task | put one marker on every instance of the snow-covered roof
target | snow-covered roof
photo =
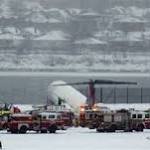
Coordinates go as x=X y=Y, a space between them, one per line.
x=57 y=11
x=54 y=35
x=53 y=20
x=5 y=10
x=34 y=6
x=131 y=36
x=11 y=36
x=90 y=14
x=131 y=11
x=36 y=17
x=74 y=11
x=10 y=30
x=32 y=31
x=128 y=18
x=90 y=41
x=117 y=10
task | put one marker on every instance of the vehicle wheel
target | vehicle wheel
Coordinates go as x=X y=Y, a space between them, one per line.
x=5 y=126
x=23 y=129
x=99 y=130
x=52 y=128
x=112 y=128
x=140 y=127
x=128 y=130
x=14 y=131
x=44 y=131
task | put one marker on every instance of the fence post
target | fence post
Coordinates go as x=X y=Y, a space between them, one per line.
x=141 y=95
x=101 y=94
x=114 y=95
x=127 y=95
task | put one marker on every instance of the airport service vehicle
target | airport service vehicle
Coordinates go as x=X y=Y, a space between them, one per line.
x=126 y=120
x=90 y=116
x=146 y=119
x=21 y=123
x=62 y=115
x=53 y=116
x=67 y=117
x=105 y=120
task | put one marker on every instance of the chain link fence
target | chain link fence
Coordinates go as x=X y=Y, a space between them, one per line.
x=121 y=95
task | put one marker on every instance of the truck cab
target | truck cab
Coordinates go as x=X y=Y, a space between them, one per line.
x=53 y=116
x=19 y=123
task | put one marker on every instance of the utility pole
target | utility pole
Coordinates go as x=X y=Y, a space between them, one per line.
x=141 y=95
x=127 y=95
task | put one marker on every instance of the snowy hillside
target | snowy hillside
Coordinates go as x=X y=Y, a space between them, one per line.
x=37 y=37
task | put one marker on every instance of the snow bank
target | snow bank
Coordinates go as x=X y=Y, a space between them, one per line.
x=135 y=106
x=90 y=41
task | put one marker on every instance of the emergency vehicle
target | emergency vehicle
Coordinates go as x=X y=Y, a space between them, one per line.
x=53 y=116
x=121 y=120
x=64 y=114
x=21 y=123
x=89 y=115
x=103 y=119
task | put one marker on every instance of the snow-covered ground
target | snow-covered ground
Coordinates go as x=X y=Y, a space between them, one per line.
x=76 y=139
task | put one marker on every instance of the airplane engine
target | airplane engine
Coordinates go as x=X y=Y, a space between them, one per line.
x=67 y=93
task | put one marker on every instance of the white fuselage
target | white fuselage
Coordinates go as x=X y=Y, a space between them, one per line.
x=66 y=92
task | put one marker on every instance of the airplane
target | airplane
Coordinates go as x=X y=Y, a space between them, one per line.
x=73 y=97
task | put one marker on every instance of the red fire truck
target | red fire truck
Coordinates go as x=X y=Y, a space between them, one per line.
x=21 y=123
x=90 y=115
x=103 y=119
x=122 y=120
x=54 y=116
